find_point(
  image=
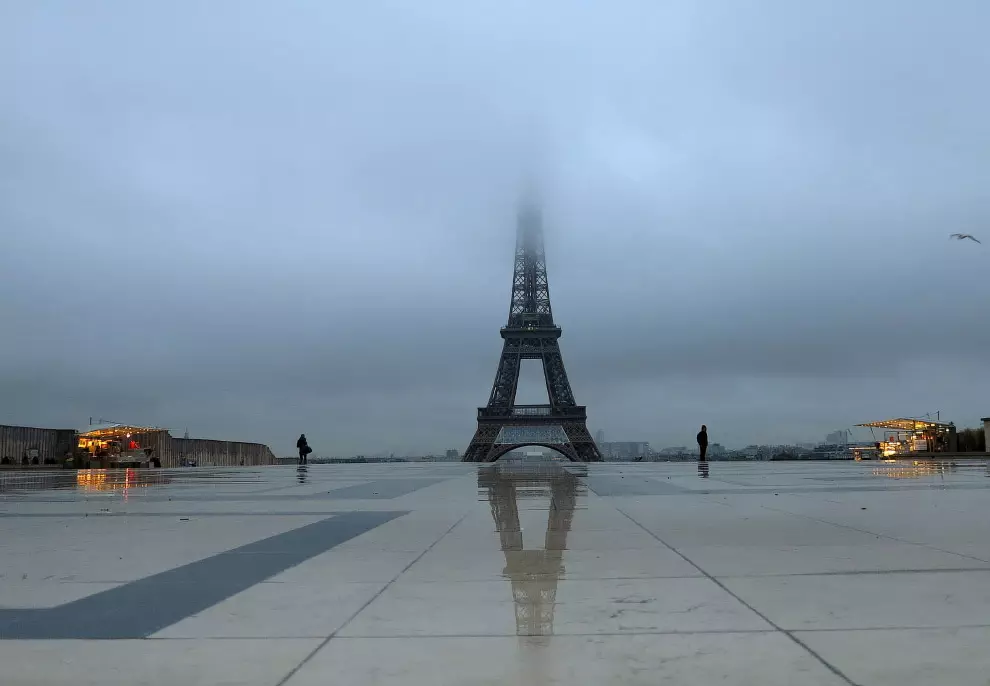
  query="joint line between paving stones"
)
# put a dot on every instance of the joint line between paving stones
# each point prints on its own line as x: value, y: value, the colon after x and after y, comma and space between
x: 874, y: 533
x: 324, y: 642
x: 832, y: 668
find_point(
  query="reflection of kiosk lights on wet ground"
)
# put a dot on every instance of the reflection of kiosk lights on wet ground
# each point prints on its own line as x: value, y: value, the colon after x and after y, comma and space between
x: 906, y: 436
x: 915, y: 470
x: 118, y: 480
x: 102, y: 480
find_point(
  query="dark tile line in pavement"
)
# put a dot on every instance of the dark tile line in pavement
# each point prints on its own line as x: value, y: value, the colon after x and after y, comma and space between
x: 145, y: 606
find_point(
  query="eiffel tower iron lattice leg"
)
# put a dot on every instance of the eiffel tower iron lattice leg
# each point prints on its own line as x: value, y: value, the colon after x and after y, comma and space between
x: 531, y: 334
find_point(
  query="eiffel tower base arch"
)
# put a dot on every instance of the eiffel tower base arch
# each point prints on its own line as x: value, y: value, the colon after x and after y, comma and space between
x: 568, y: 435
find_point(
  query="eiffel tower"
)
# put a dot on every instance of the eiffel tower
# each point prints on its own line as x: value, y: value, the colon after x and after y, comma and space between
x: 531, y: 334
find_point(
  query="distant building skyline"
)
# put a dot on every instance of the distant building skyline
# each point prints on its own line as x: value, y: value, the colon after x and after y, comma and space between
x: 840, y: 437
x: 624, y: 450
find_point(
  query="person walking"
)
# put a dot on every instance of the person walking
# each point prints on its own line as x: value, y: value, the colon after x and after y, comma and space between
x: 304, y: 448
x: 703, y: 441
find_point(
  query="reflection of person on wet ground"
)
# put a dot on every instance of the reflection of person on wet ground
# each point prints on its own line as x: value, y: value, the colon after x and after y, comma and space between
x: 703, y: 452
x: 301, y: 472
x: 703, y: 468
x: 304, y: 448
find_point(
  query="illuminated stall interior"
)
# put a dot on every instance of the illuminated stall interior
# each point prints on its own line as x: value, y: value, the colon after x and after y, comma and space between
x: 908, y: 436
x: 119, y: 444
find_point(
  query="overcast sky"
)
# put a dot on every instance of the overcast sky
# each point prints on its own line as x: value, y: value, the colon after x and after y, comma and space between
x: 253, y: 219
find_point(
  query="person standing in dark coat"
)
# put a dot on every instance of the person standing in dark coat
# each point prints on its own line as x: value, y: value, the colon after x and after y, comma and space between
x: 304, y: 448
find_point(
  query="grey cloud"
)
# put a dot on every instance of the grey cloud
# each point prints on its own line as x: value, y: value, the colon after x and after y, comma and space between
x: 253, y: 221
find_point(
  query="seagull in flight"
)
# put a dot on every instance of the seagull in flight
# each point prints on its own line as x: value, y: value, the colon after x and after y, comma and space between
x: 963, y: 236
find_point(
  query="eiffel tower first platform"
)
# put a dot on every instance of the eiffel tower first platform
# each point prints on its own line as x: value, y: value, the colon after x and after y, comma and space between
x: 531, y: 334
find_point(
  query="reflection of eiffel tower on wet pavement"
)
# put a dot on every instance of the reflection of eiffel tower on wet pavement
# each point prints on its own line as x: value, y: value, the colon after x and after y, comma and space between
x: 533, y: 573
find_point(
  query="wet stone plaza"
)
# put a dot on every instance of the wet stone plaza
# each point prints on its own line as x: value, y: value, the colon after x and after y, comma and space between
x: 452, y: 574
